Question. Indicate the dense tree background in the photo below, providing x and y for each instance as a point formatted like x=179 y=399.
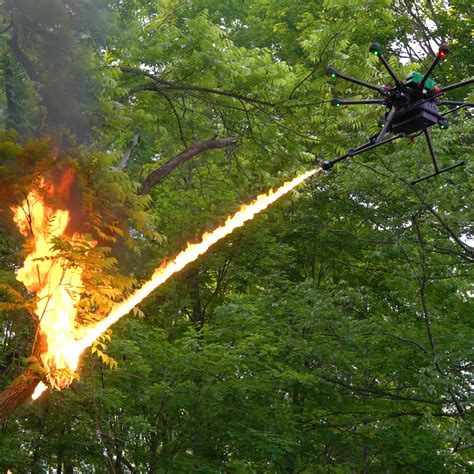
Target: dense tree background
x=331 y=334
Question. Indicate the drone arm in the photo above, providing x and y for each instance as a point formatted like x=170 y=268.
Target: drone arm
x=450 y=111
x=398 y=84
x=456 y=102
x=337 y=102
x=376 y=50
x=455 y=86
x=332 y=72
x=441 y=91
x=326 y=165
x=443 y=51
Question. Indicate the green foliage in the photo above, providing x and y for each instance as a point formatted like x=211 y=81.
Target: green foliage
x=332 y=333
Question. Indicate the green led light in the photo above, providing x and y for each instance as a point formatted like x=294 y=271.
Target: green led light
x=333 y=75
x=443 y=125
x=338 y=104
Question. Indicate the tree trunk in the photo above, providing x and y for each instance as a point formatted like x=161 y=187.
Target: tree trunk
x=14 y=110
x=18 y=393
x=195 y=293
x=68 y=468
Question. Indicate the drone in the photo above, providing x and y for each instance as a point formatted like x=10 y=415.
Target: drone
x=413 y=107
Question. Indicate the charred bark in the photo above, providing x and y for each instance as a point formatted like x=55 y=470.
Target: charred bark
x=158 y=175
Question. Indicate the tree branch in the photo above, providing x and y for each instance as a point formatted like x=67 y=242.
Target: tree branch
x=468 y=249
x=427 y=319
x=158 y=175
x=21 y=57
x=410 y=341
x=168 y=85
x=462 y=447
x=128 y=151
x=382 y=393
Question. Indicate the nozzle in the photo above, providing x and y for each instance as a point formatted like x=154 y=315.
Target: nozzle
x=443 y=124
x=375 y=49
x=331 y=72
x=443 y=50
x=326 y=165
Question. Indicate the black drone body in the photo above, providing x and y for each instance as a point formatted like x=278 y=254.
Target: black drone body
x=413 y=107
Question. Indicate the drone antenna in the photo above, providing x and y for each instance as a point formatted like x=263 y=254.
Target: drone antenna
x=376 y=50
x=332 y=72
x=443 y=51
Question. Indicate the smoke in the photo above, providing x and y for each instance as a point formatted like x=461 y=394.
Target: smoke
x=54 y=43
x=65 y=190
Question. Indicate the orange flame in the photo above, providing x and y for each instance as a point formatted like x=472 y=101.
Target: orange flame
x=185 y=257
x=56 y=283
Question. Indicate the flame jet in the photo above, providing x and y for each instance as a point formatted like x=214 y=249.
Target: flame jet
x=185 y=257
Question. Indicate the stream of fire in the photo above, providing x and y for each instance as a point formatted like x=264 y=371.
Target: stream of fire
x=58 y=285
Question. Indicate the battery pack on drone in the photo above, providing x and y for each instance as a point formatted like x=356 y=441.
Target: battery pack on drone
x=413 y=118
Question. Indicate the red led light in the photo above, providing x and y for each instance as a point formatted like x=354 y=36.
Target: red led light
x=442 y=54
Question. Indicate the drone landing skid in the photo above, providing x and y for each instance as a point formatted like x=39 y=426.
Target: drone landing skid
x=432 y=175
x=438 y=171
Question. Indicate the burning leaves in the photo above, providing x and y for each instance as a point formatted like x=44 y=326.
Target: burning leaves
x=52 y=276
x=58 y=280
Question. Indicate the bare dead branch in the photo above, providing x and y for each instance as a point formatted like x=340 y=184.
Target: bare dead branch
x=128 y=152
x=158 y=175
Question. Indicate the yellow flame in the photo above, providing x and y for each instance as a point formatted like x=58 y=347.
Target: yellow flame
x=185 y=257
x=57 y=284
